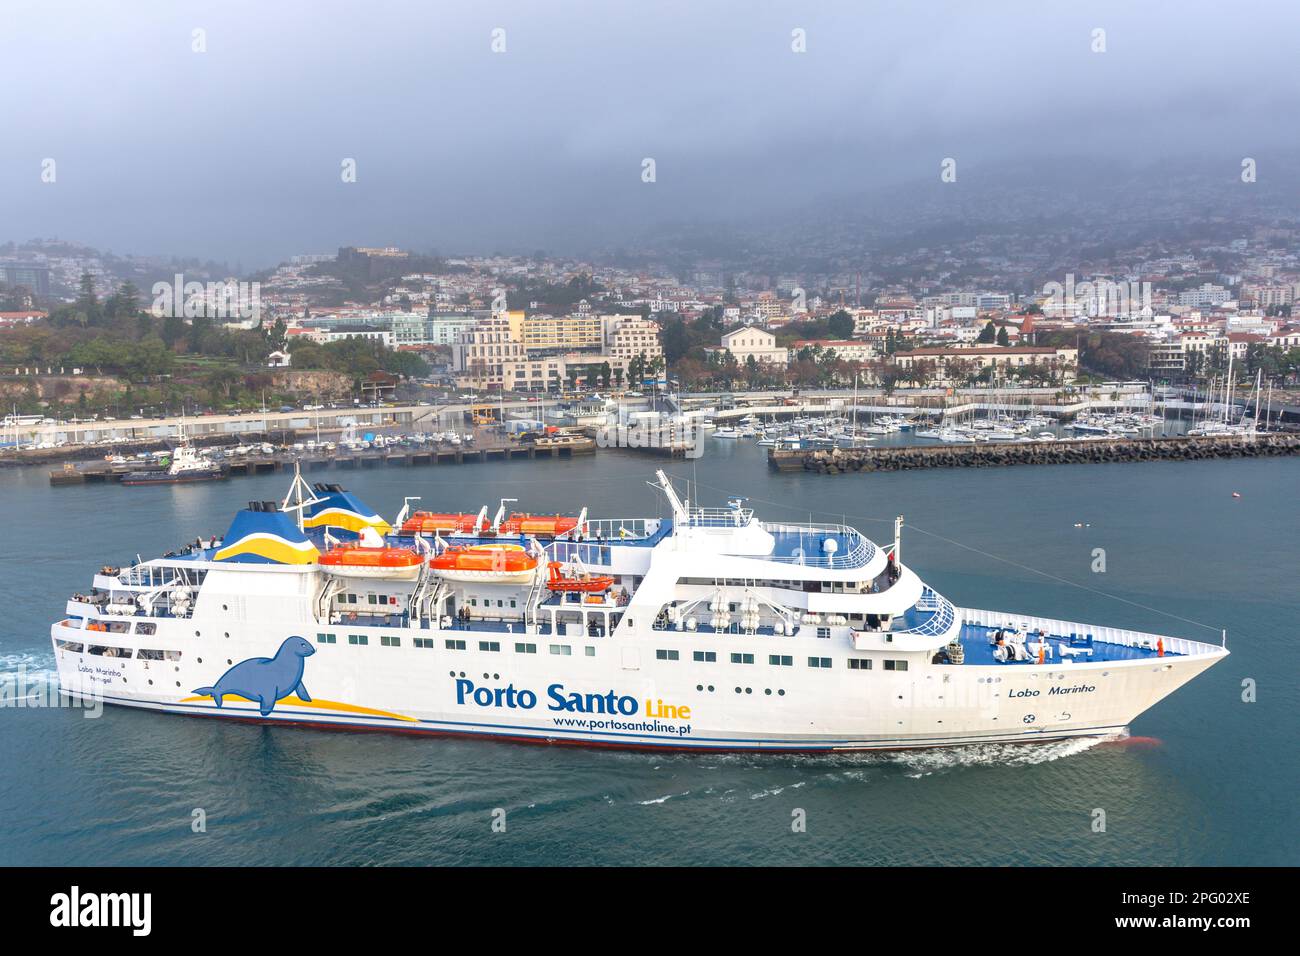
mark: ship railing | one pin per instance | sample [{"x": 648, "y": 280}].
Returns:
[
  {"x": 857, "y": 555},
  {"x": 621, "y": 529},
  {"x": 1105, "y": 635},
  {"x": 719, "y": 517},
  {"x": 941, "y": 612}
]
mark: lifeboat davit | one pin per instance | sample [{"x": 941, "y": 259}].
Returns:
[
  {"x": 584, "y": 583},
  {"x": 428, "y": 522},
  {"x": 354, "y": 561},
  {"x": 537, "y": 526},
  {"x": 486, "y": 563}
]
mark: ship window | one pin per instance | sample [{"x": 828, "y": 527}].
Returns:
[
  {"x": 326, "y": 639},
  {"x": 473, "y": 602},
  {"x": 73, "y": 646},
  {"x": 859, "y": 664},
  {"x": 455, "y": 645},
  {"x": 425, "y": 642},
  {"x": 387, "y": 640},
  {"x": 489, "y": 645},
  {"x": 358, "y": 639},
  {"x": 819, "y": 662},
  {"x": 562, "y": 650},
  {"x": 373, "y": 598},
  {"x": 525, "y": 648},
  {"x": 895, "y": 665},
  {"x": 666, "y": 655},
  {"x": 823, "y": 632},
  {"x": 706, "y": 657},
  {"x": 591, "y": 650},
  {"x": 780, "y": 660},
  {"x": 102, "y": 651},
  {"x": 742, "y": 658}
]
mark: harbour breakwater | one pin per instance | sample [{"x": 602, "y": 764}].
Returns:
[{"x": 834, "y": 461}]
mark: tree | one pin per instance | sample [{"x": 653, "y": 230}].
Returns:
[
  {"x": 1003, "y": 339},
  {"x": 988, "y": 335},
  {"x": 840, "y": 325}
]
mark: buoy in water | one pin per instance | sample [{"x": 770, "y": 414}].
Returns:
[{"x": 1236, "y": 494}]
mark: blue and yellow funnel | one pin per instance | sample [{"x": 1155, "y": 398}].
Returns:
[
  {"x": 341, "y": 509},
  {"x": 262, "y": 534}
]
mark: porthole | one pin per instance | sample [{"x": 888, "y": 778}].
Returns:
[
  {"x": 768, "y": 692},
  {"x": 737, "y": 690},
  {"x": 150, "y": 683},
  {"x": 710, "y": 688},
  {"x": 196, "y": 634},
  {"x": 496, "y": 676},
  {"x": 225, "y": 607},
  {"x": 780, "y": 693},
  {"x": 749, "y": 690},
  {"x": 699, "y": 687},
  {"x": 452, "y": 673},
  {"x": 200, "y": 660}
]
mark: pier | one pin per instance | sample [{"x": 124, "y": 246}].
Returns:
[
  {"x": 836, "y": 461},
  {"x": 79, "y": 473}
]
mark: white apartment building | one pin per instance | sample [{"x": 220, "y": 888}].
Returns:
[{"x": 748, "y": 341}]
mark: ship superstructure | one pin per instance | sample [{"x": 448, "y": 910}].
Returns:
[{"x": 706, "y": 629}]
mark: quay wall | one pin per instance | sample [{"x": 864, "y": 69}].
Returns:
[{"x": 998, "y": 454}]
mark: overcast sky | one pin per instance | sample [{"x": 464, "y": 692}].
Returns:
[{"x": 236, "y": 152}]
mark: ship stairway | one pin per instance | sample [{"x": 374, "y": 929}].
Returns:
[
  {"x": 536, "y": 591},
  {"x": 332, "y": 587},
  {"x": 425, "y": 592}
]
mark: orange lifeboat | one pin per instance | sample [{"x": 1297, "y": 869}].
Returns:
[
  {"x": 430, "y": 523},
  {"x": 486, "y": 563},
  {"x": 538, "y": 526},
  {"x": 355, "y": 561},
  {"x": 587, "y": 584}
]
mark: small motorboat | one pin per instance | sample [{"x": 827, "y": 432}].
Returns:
[
  {"x": 490, "y": 563},
  {"x": 584, "y": 583},
  {"x": 357, "y": 561}
]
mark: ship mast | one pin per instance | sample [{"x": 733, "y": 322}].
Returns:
[{"x": 300, "y": 494}]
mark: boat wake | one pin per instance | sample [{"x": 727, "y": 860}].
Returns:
[
  {"x": 36, "y": 666},
  {"x": 922, "y": 763}
]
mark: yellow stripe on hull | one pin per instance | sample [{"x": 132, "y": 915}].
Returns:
[{"x": 294, "y": 701}]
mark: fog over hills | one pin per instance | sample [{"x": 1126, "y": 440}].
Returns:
[{"x": 235, "y": 151}]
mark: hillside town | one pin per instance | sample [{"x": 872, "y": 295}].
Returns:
[{"x": 559, "y": 325}]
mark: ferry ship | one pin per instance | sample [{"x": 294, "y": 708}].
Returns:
[{"x": 707, "y": 629}]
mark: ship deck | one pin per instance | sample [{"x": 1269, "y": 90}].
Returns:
[{"x": 976, "y": 641}]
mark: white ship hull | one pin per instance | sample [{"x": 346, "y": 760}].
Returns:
[{"x": 417, "y": 690}]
